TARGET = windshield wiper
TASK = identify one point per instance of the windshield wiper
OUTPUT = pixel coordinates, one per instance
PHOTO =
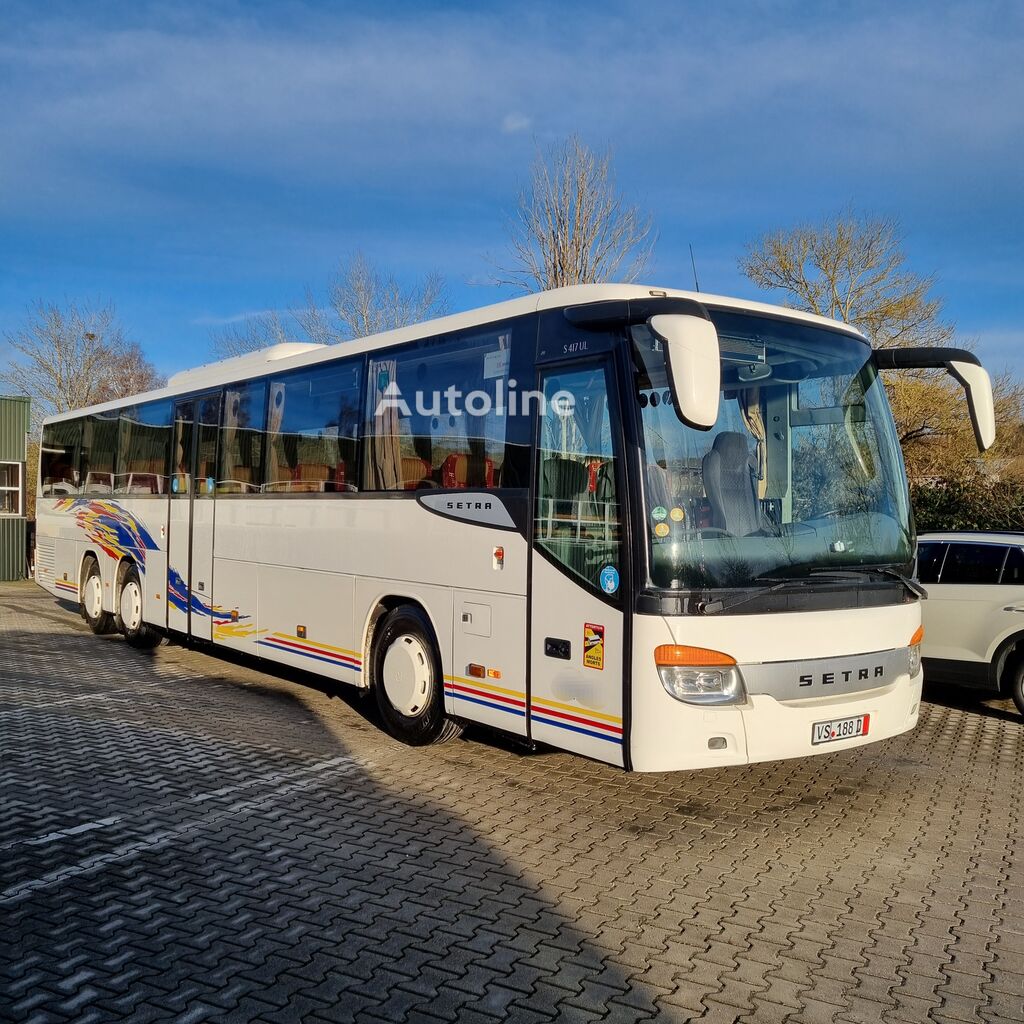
(877, 570)
(814, 576)
(721, 604)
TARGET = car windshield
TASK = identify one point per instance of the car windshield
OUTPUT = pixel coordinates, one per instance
(801, 472)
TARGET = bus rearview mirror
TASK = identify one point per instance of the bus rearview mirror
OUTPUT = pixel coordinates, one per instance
(693, 364)
(980, 403)
(964, 367)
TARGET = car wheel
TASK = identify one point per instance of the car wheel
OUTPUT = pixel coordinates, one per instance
(129, 613)
(407, 679)
(1017, 685)
(91, 599)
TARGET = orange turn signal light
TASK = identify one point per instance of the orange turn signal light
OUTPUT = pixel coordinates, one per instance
(476, 671)
(681, 654)
(917, 637)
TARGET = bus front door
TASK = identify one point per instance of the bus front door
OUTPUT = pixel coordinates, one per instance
(577, 618)
(190, 607)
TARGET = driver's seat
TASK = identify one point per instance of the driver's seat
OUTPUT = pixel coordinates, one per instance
(728, 471)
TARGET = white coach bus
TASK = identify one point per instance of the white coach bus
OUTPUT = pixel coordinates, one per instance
(662, 529)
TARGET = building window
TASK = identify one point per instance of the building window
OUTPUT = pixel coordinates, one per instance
(10, 489)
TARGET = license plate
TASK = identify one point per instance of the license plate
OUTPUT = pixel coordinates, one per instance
(839, 729)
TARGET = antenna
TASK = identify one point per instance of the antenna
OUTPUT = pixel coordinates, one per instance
(693, 263)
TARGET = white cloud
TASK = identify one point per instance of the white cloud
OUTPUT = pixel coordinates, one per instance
(513, 123)
(234, 318)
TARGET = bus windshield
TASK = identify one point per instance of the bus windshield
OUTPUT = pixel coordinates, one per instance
(801, 472)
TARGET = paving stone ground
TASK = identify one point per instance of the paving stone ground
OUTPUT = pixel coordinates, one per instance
(186, 838)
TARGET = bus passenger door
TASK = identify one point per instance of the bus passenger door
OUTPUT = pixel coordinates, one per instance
(190, 544)
(577, 619)
(203, 510)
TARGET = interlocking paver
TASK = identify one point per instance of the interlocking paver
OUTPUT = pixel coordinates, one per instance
(187, 838)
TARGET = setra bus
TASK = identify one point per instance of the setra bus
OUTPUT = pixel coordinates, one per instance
(661, 529)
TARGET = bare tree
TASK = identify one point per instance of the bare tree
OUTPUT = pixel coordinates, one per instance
(572, 225)
(255, 332)
(70, 356)
(366, 300)
(853, 268)
(361, 300)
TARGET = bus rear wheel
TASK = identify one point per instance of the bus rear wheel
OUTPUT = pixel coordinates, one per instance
(99, 621)
(407, 679)
(129, 613)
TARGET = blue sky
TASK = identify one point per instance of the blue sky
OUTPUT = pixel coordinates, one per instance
(198, 162)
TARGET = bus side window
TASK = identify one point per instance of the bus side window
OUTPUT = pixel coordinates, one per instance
(438, 412)
(181, 448)
(577, 521)
(243, 429)
(58, 470)
(312, 429)
(99, 450)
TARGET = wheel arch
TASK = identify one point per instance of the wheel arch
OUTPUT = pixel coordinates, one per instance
(378, 609)
(1008, 652)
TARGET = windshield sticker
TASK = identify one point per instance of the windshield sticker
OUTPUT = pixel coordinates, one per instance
(677, 515)
(496, 364)
(593, 646)
(659, 513)
(609, 579)
(661, 530)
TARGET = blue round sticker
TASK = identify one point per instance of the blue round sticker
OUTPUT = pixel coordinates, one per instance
(609, 579)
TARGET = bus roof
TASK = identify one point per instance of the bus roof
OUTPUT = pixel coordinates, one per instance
(290, 355)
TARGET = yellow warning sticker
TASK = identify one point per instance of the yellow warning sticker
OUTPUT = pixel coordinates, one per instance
(593, 646)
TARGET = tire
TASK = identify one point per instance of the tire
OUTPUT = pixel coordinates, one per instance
(1017, 684)
(129, 613)
(407, 679)
(91, 601)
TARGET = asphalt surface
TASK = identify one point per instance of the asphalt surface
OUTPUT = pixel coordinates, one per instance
(186, 838)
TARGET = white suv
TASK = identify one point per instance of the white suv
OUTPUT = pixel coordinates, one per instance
(974, 615)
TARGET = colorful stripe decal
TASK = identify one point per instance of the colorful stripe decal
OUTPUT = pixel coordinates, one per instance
(545, 705)
(595, 724)
(494, 698)
(64, 585)
(316, 651)
(542, 720)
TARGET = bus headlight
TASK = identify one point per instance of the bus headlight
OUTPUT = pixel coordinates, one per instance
(914, 652)
(696, 675)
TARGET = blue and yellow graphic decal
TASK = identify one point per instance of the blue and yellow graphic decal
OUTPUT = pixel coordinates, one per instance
(227, 623)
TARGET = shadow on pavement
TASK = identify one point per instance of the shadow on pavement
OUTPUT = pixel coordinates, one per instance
(179, 847)
(965, 698)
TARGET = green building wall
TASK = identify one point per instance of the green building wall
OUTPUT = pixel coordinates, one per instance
(14, 424)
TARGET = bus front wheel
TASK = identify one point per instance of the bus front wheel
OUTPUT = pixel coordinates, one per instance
(407, 679)
(99, 621)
